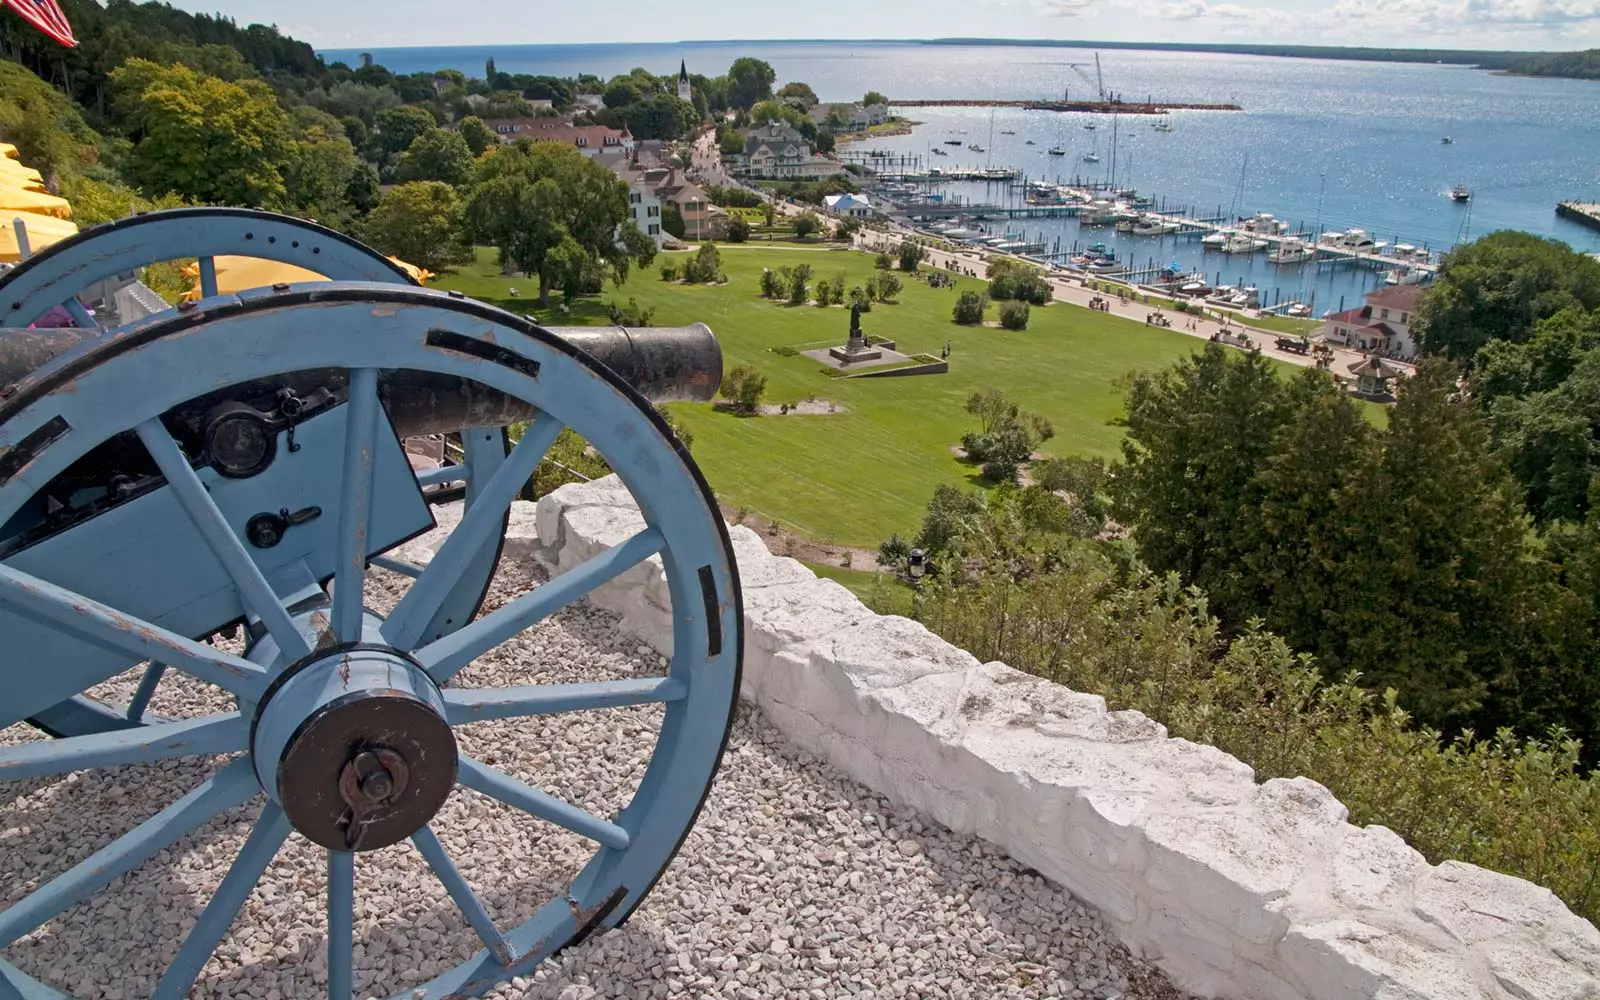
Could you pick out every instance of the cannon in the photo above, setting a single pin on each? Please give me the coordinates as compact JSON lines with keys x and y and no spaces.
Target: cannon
{"x":236,"y":467}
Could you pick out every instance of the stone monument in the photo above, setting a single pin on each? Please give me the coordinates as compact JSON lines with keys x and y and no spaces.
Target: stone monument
{"x":856,"y":348}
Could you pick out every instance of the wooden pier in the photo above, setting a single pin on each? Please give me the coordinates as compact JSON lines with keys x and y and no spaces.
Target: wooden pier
{"x":1584,"y":213}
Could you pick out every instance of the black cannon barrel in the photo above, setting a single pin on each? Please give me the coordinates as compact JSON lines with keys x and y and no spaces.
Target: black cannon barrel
{"x":664,"y":364}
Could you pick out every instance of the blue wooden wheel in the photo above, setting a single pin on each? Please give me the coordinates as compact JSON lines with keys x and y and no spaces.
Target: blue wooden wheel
{"x":59,"y":274}
{"x":345,"y":719}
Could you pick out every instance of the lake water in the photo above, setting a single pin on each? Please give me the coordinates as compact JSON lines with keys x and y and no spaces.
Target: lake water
{"x":1336,"y":143}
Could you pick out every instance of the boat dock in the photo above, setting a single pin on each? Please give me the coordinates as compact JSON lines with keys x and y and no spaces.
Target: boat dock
{"x":1147,"y":107}
{"x":1584,"y":213}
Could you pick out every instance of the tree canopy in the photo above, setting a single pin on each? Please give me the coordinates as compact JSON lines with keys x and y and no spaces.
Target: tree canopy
{"x":749,"y":82}
{"x":437,"y":155}
{"x":420,"y":222}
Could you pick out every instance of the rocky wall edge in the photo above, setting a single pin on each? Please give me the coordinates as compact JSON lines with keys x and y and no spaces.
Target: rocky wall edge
{"x":1234,"y":889}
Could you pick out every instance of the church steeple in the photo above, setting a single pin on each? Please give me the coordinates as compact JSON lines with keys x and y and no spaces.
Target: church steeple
{"x":684,"y":91}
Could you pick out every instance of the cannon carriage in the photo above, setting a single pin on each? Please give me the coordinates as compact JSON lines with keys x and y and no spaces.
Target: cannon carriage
{"x":236,"y":466}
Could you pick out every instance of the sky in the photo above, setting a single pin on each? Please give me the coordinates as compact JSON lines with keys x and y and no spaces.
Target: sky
{"x":1480,"y":24}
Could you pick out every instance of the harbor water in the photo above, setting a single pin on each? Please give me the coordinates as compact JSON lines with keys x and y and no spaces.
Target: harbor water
{"x":1339,"y":144}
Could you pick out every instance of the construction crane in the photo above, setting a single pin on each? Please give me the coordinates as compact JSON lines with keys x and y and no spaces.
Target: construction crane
{"x":1098,"y":81}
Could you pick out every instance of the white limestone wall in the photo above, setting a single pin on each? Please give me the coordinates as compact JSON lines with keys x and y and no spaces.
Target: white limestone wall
{"x":1234,"y":889}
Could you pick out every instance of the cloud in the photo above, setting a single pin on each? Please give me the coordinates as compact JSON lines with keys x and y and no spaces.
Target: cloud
{"x":1069,"y":8}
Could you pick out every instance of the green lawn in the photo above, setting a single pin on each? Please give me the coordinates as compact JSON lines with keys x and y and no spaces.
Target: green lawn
{"x":878,"y":591}
{"x":853,"y":478}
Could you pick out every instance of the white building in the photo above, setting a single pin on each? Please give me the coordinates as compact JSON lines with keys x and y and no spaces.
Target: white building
{"x":644,"y":207}
{"x":854,"y":206}
{"x":684,"y":91}
{"x":1383,"y":325}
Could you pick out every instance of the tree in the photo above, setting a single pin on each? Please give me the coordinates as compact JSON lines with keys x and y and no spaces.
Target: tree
{"x":663,"y":116}
{"x":1436,"y":579}
{"x":799,"y":92}
{"x":772,"y":283}
{"x":824,"y":293}
{"x":911,"y":254}
{"x":749,"y":81}
{"x":836,"y":292}
{"x":1498,"y":288}
{"x":799,"y":281}
{"x":888,"y":286}
{"x":806,"y":223}
{"x":1199,"y":434}
{"x":744,"y":386}
{"x":322,"y":166}
{"x":860,"y":298}
{"x":705,"y":267}
{"x":766,"y":112}
{"x":46,"y":129}
{"x":532,"y":197}
{"x":398,"y":128}
{"x":478,"y":137}
{"x":1010,"y":279}
{"x":847,"y":229}
{"x":437,"y":155}
{"x":422,"y":223}
{"x":953,"y":515}
{"x":1014,"y":315}
{"x":873,"y":97}
{"x":969,"y":308}
{"x":202,"y":138}
{"x":883,"y":261}
{"x":672,"y":220}
{"x":622,"y":94}
{"x":738,"y":229}
{"x":730,"y":141}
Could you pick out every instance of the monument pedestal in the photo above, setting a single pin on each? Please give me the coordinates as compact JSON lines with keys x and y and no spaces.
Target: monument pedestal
{"x":849,"y":354}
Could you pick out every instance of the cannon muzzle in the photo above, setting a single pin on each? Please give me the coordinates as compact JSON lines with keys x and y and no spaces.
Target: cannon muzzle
{"x":663,"y":364}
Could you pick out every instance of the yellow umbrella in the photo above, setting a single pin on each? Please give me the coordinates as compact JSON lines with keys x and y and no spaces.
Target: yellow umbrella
{"x":12,"y":170}
{"x":235,"y":274}
{"x":418,"y":274}
{"x":15,"y":199}
{"x":20,"y":182}
{"x":8,"y":150}
{"x":43,"y":230}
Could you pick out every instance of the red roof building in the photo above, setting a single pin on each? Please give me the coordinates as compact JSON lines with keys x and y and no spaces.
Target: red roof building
{"x":1383,"y":325}
{"x":590,"y":139}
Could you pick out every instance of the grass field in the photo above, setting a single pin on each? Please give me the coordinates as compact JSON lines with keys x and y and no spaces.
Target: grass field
{"x":852,"y":478}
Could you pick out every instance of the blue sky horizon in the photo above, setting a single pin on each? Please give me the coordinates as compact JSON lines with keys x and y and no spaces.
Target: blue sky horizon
{"x":1455,"y":24}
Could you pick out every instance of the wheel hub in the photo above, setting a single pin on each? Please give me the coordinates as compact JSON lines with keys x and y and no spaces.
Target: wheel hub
{"x":353,"y":744}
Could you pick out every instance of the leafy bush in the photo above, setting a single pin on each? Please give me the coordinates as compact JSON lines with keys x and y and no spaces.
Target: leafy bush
{"x":705,"y":267}
{"x":886,"y":287}
{"x":669,"y":272}
{"x":846,"y":229}
{"x":1013,"y":280}
{"x":772,"y":283}
{"x":969,"y":308}
{"x":911,"y":254}
{"x":744,"y":386}
{"x":631,"y":314}
{"x":883,"y":261}
{"x":797,"y":285}
{"x":806,"y":223}
{"x":824,"y":293}
{"x":733,"y":197}
{"x":738,"y":229}
{"x":860,"y":297}
{"x":836,"y":292}
{"x":1014,"y":315}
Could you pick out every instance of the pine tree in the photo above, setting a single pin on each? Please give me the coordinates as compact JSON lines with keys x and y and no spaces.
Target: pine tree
{"x":1437,"y":579}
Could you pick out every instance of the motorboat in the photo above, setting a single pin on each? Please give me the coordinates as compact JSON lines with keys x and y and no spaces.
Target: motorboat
{"x":1162,"y":126}
{"x":1248,"y":297}
{"x":1030,"y":142}
{"x":1006,"y":131}
{"x":1196,"y":289}
{"x":1216,"y":240}
{"x":1154,"y":225}
{"x":1104,"y":266}
{"x":1244,"y":243}
{"x":1091,"y":126}
{"x":976,"y":147}
{"x":1460,"y":193}
{"x":1056,"y":151}
{"x":1446,"y":140}
{"x":1125,"y":223}
{"x":1298,"y":311}
{"x":952,"y":142}
{"x":1292,"y":251}
{"x":1091,"y":158}
{"x":1352,"y":241}
{"x":1405,"y":275}
{"x":1264,"y":222}
{"x":940,"y":152}
{"x":1100,"y":213}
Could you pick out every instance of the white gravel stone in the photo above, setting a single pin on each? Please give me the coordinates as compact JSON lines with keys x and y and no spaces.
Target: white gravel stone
{"x":796,"y":882}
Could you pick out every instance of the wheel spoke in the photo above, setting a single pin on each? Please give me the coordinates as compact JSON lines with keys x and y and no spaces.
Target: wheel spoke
{"x":499,"y":785}
{"x":445,"y":657}
{"x":396,"y":566}
{"x":341,"y":923}
{"x":355,"y":502}
{"x":208,"y":277}
{"x":464,"y":705}
{"x":106,"y":626}
{"x":80,"y":314}
{"x":483,"y":518}
{"x":466,"y":900}
{"x":146,"y":691}
{"x":445,"y":474}
{"x":257,"y":853}
{"x":254,"y":589}
{"x":229,"y":787}
{"x":224,"y":733}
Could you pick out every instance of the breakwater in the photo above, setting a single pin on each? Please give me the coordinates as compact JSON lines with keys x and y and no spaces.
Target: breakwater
{"x":1585,"y":213}
{"x":1092,"y":107}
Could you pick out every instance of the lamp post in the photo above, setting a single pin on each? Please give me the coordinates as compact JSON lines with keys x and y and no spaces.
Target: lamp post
{"x":916,"y":568}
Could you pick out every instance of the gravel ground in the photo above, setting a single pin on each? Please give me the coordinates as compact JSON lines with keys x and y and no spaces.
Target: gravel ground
{"x":796,"y":882}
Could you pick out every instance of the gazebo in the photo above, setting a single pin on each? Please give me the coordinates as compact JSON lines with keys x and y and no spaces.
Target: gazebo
{"x":1373,"y":375}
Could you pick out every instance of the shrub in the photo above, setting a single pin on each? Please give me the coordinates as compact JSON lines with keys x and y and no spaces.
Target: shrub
{"x":846,"y":229}
{"x":1014,"y":315}
{"x":911,"y":254}
{"x":859,"y":297}
{"x":969,"y":308}
{"x":824,"y":293}
{"x":669,"y":272}
{"x":887,"y":287}
{"x":883,"y":261}
{"x":705,"y":266}
{"x":806,"y":224}
{"x":738,"y":229}
{"x":631,"y":314}
{"x":1009,"y":279}
{"x":744,"y":386}
{"x":837,"y":292}
{"x":772,"y":285}
{"x":797,"y":285}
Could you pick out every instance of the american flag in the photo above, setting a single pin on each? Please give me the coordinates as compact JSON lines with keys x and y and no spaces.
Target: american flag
{"x":45,"y":15}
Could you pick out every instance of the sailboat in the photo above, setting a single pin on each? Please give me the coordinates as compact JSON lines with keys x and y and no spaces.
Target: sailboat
{"x":1092,"y":156}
